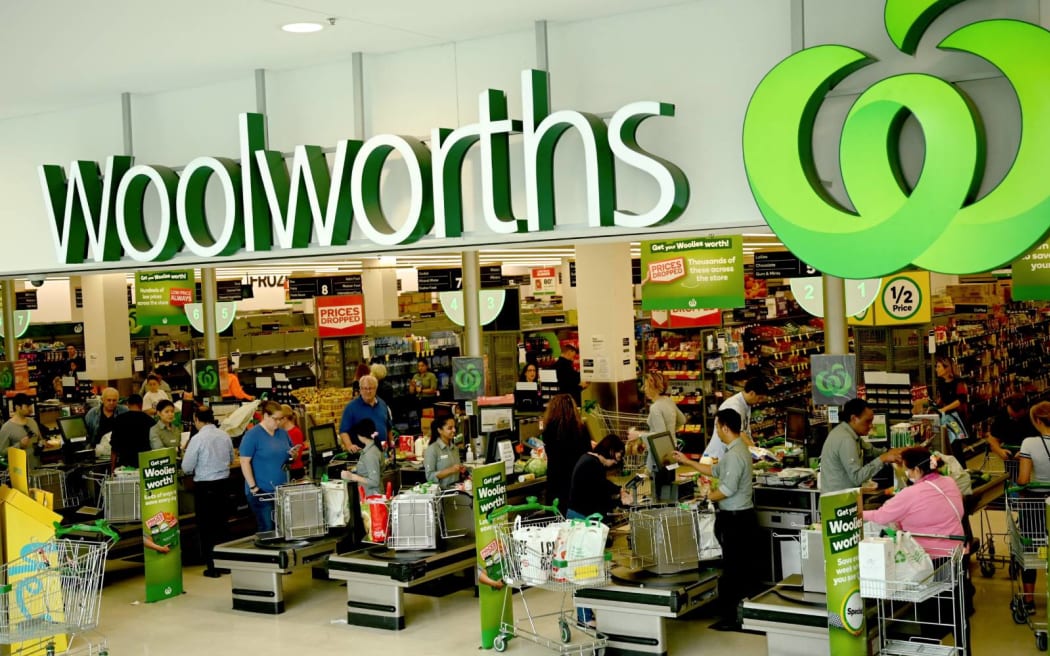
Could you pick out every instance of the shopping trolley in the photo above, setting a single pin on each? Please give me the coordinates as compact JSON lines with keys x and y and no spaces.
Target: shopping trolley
{"x":667,"y":539}
{"x":54,"y":480}
{"x":54,"y":588}
{"x":915,"y":617}
{"x":1026,"y":523}
{"x":986,"y":556}
{"x":119,"y":495}
{"x":531,"y":564}
{"x":628,"y":426}
{"x":417,"y":518}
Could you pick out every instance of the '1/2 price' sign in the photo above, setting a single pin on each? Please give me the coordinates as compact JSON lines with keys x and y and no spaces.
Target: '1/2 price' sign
{"x":901,"y":298}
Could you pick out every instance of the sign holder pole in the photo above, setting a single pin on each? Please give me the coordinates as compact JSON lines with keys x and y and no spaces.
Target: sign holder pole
{"x":7,"y":287}
{"x":208,"y":300}
{"x":836,"y":340}
{"x":471,"y":304}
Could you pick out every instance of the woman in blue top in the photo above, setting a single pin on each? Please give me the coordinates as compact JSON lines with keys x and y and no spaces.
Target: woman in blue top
{"x":265,"y":450}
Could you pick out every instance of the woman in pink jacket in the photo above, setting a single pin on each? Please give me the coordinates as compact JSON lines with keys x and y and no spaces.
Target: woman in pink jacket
{"x":931,"y":504}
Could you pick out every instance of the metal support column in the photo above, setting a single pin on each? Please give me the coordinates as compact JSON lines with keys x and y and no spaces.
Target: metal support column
{"x":471,"y":305}
{"x":209,"y":296}
{"x":836,"y":336}
{"x":10,"y":344}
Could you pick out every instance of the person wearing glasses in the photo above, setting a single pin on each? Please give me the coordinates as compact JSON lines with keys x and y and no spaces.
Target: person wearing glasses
{"x":265,"y":450}
{"x":367,"y":405}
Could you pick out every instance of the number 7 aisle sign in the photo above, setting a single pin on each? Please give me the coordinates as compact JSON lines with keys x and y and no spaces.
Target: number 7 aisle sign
{"x":903,"y":298}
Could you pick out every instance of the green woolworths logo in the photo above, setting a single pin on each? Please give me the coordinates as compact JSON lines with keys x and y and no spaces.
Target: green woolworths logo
{"x":207,"y":378}
{"x":836,"y":381}
{"x":938,"y":225}
{"x":7,"y":378}
{"x":468,"y":378}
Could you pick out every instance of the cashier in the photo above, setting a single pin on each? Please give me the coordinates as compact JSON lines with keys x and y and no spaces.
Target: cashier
{"x":842,"y":463}
{"x":736,"y":525}
{"x":369,"y":470}
{"x":442,"y":457}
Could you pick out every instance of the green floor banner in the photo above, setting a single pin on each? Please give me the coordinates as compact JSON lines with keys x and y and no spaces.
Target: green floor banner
{"x":158,"y":484}
{"x":840,"y":518}
{"x":490,"y":493}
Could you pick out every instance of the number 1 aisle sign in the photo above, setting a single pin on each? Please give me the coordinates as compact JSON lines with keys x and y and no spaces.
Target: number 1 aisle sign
{"x":809,"y":293}
{"x":903,"y":298}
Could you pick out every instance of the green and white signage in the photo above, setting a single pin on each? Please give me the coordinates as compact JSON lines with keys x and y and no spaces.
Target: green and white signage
{"x":938,"y":224}
{"x":490,"y":493}
{"x":685,"y":274}
{"x":842,"y":525}
{"x":468,"y":378}
{"x":161,"y":296}
{"x":158,"y":474}
{"x":98,"y":213}
{"x":1031,"y":275}
{"x":834,"y":378}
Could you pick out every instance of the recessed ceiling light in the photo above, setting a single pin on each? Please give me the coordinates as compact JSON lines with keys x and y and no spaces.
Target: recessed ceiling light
{"x":302,"y":28}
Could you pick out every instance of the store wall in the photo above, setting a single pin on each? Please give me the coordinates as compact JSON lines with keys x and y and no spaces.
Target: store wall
{"x":705,"y":56}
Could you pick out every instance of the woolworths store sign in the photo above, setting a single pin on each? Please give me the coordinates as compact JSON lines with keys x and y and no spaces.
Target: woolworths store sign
{"x":100,"y":215}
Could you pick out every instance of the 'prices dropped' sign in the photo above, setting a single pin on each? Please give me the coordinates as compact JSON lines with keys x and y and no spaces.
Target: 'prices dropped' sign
{"x":340,"y":316}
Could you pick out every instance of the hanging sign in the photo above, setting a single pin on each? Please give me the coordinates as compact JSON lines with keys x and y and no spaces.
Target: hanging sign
{"x":158,"y":482}
{"x":468,"y":378}
{"x":225,"y":312}
{"x":687,"y":274}
{"x":685,"y":318}
{"x":490,"y":493}
{"x":781,"y":264}
{"x":26,"y":300}
{"x":544,"y":281}
{"x":206,"y":382}
{"x":21,"y":323}
{"x":490,"y":304}
{"x":21,"y":371}
{"x":340,"y":316}
{"x":809,"y":294}
{"x":1031,"y":275}
{"x":161,"y":295}
{"x":834,"y":378}
{"x":840,"y":519}
{"x":902,"y":299}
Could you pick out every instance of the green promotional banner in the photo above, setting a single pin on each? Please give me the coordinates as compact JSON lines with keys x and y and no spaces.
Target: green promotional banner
{"x":1031,"y":275}
{"x":158,"y":483}
{"x":685,"y":274}
{"x":840,"y":519}
{"x":160,"y":297}
{"x":490,"y":493}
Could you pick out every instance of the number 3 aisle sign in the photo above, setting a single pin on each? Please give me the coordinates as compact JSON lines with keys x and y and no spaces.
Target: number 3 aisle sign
{"x":904,"y":298}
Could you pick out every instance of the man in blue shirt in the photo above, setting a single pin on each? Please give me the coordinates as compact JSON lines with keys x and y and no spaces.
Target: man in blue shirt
{"x":365,"y":406}
{"x":208,"y":458}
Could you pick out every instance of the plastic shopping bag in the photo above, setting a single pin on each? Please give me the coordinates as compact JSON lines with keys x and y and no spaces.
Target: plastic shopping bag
{"x":911,"y":562}
{"x":533,"y":549}
{"x":579,"y":550}
{"x":958,"y":473}
{"x":955,"y":427}
{"x":336,"y":497}
{"x":706,"y":542}
{"x":375,"y":514}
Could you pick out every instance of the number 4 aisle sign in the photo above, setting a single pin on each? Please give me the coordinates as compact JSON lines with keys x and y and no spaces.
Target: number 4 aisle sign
{"x":903,"y":298}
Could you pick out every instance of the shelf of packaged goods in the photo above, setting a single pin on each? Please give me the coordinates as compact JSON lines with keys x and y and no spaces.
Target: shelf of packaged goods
{"x":683,"y":375}
{"x":793,"y":367}
{"x":690,"y":430}
{"x":687,"y":402}
{"x":672,"y":356}
{"x":808,"y":350}
{"x":774,"y":401}
{"x":787,"y":338}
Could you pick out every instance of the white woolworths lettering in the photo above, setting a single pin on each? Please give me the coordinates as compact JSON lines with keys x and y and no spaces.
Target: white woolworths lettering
{"x":208,"y":166}
{"x":123,"y":226}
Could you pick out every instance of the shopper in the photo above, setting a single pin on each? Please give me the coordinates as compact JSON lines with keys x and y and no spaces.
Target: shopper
{"x":385,"y":391}
{"x":664,"y":415}
{"x":424,"y":384}
{"x":22,"y":432}
{"x":369,"y":470}
{"x":932,"y":505}
{"x":842,"y":460}
{"x":564,"y":442}
{"x":164,"y":386}
{"x":131,"y":435}
{"x":154,"y":395}
{"x":233,"y":383}
{"x":73,"y":359}
{"x":568,"y":378}
{"x":755,"y":392}
{"x":265,"y":451}
{"x":366,"y":406}
{"x":1010,"y":428}
{"x":209,"y":456}
{"x":290,"y":423}
{"x":441,"y":459}
{"x":736,"y":525}
{"x":591,"y":492}
{"x":529,"y":374}
{"x":165,"y":433}
{"x":359,"y":373}
{"x":99,"y":420}
{"x":1034,"y":467}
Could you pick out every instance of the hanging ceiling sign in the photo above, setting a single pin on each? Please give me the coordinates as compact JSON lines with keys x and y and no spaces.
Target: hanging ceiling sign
{"x":97,"y":213}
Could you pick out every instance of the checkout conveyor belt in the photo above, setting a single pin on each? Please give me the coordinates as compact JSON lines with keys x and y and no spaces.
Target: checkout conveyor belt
{"x":256,"y":568}
{"x":631,"y":611}
{"x":377,"y":577}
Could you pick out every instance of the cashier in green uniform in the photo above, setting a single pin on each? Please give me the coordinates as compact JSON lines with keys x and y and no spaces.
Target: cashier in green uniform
{"x":441,"y":459}
{"x":736,"y":525}
{"x":369,"y":470}
{"x":842,"y":463}
{"x":165,"y":433}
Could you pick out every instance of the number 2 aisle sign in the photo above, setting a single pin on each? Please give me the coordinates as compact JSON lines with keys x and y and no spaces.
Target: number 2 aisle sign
{"x":904,"y":298}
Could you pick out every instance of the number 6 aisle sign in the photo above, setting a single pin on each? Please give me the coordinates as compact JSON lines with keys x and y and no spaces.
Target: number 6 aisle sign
{"x":903,"y":298}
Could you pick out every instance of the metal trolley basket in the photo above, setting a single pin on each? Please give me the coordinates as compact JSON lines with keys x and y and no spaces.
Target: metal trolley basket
{"x":529,"y":565}
{"x":667,"y":539}
{"x":119,"y":496}
{"x":54,"y":589}
{"x":417,"y":519}
{"x":985,"y":554}
{"x":933,"y":608}
{"x":1026,"y":524}
{"x":626,"y":426}
{"x":54,"y":481}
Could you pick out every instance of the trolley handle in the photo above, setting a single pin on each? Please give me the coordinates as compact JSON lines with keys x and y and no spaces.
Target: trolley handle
{"x":99,"y":526}
{"x":531,"y":503}
{"x":1034,"y":485}
{"x":892,"y":532}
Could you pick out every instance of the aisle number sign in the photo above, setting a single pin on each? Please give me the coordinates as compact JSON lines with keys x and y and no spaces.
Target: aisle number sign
{"x":902,"y":299}
{"x":544,"y":281}
{"x":809,"y":294}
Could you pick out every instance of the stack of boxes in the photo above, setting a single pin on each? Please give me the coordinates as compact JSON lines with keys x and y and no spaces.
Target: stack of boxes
{"x":325,"y":405}
{"x":409,"y":303}
{"x":990,"y":293}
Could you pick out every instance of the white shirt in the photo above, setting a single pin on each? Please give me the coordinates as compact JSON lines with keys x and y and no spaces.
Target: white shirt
{"x":716,"y":447}
{"x":1036,"y":449}
{"x":151,"y":399}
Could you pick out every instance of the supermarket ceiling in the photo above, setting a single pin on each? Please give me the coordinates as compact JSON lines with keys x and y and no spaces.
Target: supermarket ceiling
{"x":56,"y":54}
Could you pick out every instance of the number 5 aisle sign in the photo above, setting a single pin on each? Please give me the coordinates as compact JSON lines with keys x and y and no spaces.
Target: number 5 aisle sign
{"x":903,"y":298}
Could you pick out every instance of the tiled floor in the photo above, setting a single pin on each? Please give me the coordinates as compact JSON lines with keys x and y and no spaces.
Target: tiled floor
{"x":202,"y":623}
